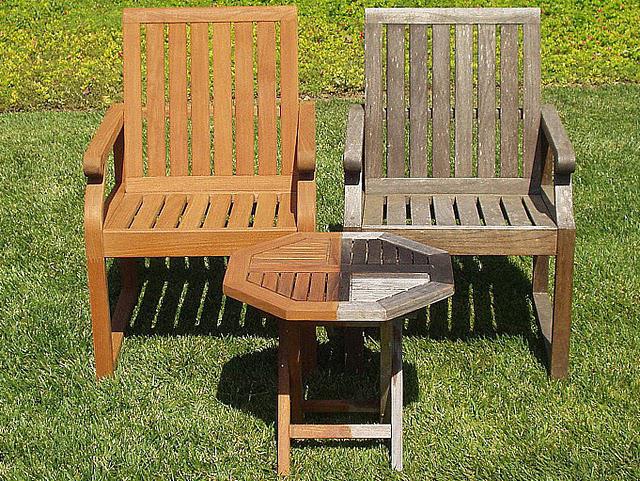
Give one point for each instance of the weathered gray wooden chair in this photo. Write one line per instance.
(481, 168)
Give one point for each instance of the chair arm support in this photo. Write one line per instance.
(103, 141)
(306, 139)
(556, 135)
(354, 141)
(306, 206)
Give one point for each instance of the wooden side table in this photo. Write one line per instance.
(343, 280)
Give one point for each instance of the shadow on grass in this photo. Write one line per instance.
(183, 296)
(248, 383)
(492, 298)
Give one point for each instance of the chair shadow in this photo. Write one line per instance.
(249, 383)
(492, 298)
(183, 296)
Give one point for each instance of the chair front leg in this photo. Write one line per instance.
(97, 281)
(562, 298)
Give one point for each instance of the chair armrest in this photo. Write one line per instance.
(354, 141)
(306, 139)
(556, 135)
(103, 141)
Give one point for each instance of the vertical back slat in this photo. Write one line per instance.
(418, 108)
(289, 91)
(464, 100)
(200, 131)
(266, 98)
(244, 98)
(395, 101)
(133, 100)
(486, 100)
(531, 107)
(222, 102)
(178, 135)
(155, 100)
(441, 101)
(509, 101)
(373, 100)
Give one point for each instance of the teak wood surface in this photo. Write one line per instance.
(486, 169)
(338, 279)
(185, 185)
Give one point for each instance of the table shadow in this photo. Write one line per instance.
(249, 383)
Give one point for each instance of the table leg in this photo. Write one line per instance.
(310, 349)
(354, 349)
(396, 397)
(293, 346)
(386, 334)
(284, 402)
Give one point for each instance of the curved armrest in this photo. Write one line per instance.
(306, 143)
(103, 140)
(354, 140)
(554, 131)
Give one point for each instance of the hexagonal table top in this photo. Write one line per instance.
(339, 276)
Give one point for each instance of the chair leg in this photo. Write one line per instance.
(561, 330)
(126, 302)
(540, 276)
(284, 401)
(100, 316)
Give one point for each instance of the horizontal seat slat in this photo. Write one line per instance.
(265, 209)
(230, 183)
(195, 211)
(173, 207)
(491, 210)
(241, 210)
(467, 185)
(484, 211)
(218, 210)
(148, 213)
(467, 206)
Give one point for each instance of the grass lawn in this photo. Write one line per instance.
(194, 394)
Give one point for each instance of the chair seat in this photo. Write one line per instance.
(519, 223)
(194, 223)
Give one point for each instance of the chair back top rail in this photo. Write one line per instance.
(449, 16)
(189, 79)
(471, 87)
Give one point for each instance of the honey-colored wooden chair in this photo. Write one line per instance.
(487, 173)
(188, 179)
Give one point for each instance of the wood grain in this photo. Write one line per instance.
(178, 144)
(222, 115)
(244, 98)
(266, 98)
(441, 101)
(395, 101)
(155, 101)
(200, 115)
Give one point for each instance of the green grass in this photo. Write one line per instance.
(194, 396)
(68, 53)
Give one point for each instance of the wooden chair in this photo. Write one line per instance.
(177, 193)
(486, 170)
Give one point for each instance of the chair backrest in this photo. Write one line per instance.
(189, 78)
(472, 88)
